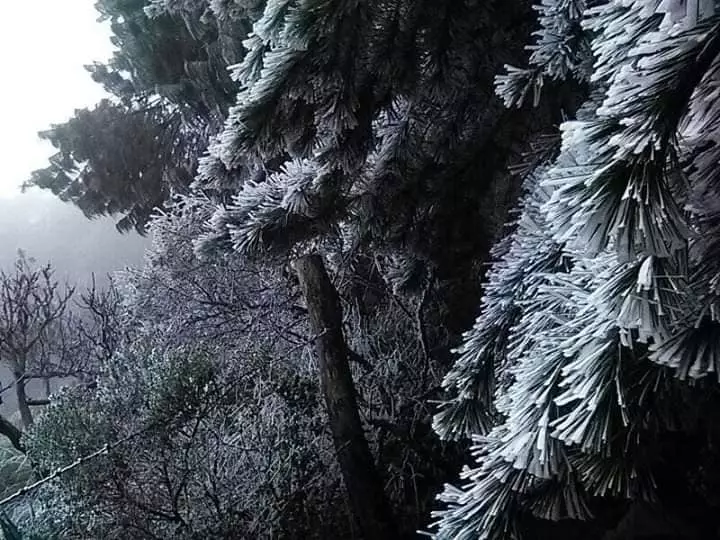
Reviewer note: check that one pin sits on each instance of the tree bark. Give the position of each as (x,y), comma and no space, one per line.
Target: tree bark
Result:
(12,433)
(362,481)
(22,399)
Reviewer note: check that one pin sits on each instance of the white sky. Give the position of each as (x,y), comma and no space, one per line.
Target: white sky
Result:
(44,45)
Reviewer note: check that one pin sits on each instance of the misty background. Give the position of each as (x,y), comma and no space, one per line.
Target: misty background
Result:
(50,230)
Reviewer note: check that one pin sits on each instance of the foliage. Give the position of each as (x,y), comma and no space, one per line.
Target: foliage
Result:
(14,470)
(15,473)
(201,434)
(177,56)
(619,280)
(103,176)
(169,91)
(375,123)
(217,348)
(394,376)
(221,300)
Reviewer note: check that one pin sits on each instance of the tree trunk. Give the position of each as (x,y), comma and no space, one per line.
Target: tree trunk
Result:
(23,407)
(362,480)
(12,433)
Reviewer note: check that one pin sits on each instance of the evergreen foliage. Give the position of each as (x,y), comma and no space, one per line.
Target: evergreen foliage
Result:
(585,411)
(169,91)
(376,118)
(180,58)
(102,177)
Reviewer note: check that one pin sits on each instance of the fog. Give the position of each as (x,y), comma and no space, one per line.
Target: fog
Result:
(50,230)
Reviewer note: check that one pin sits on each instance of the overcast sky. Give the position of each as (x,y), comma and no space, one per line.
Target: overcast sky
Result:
(44,45)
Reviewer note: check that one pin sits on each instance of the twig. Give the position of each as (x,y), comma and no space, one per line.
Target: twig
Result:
(422,334)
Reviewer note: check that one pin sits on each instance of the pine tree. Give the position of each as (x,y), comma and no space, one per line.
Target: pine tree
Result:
(117,159)
(170,90)
(372,128)
(593,343)
(176,54)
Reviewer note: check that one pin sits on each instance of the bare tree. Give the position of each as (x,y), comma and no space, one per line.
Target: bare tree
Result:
(34,337)
(99,324)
